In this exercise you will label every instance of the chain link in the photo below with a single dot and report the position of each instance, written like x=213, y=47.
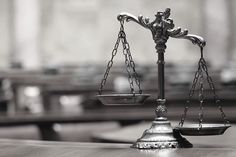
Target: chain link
x=202, y=66
x=191, y=93
x=109, y=65
x=130, y=65
x=127, y=61
x=212, y=87
x=128, y=68
x=200, y=96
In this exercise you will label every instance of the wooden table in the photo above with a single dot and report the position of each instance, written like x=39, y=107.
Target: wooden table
x=130, y=134
x=22, y=148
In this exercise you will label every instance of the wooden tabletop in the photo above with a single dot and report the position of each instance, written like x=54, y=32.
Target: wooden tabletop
x=21, y=148
x=131, y=133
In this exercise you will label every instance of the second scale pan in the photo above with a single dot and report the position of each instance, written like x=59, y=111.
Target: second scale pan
x=205, y=130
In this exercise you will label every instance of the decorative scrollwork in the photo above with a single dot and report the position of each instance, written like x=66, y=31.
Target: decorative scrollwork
x=129, y=17
x=178, y=33
x=162, y=28
x=161, y=110
x=156, y=145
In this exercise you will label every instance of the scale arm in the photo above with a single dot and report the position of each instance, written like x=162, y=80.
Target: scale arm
x=172, y=32
x=196, y=39
x=129, y=17
x=178, y=33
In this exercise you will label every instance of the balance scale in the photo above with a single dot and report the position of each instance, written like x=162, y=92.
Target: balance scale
x=161, y=135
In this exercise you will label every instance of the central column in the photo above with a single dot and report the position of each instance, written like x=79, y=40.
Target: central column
x=160, y=135
x=161, y=76
x=160, y=38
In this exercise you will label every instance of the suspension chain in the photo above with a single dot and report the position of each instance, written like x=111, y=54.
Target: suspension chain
x=191, y=93
x=202, y=66
x=130, y=65
x=109, y=64
x=212, y=87
x=129, y=62
x=198, y=74
x=200, y=96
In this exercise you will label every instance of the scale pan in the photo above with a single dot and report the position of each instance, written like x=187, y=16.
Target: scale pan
x=207, y=129
x=121, y=99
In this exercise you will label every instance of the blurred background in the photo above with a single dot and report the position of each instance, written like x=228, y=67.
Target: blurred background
x=53, y=55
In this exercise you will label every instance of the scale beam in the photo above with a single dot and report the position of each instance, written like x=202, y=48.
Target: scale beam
x=162, y=25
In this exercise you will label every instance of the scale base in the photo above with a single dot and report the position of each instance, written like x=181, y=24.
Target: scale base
x=161, y=136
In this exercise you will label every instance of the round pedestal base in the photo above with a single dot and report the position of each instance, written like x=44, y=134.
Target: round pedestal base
x=155, y=145
x=161, y=136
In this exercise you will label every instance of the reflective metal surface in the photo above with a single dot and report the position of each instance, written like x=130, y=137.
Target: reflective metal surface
x=158, y=136
x=205, y=130
x=199, y=80
x=161, y=135
x=121, y=99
